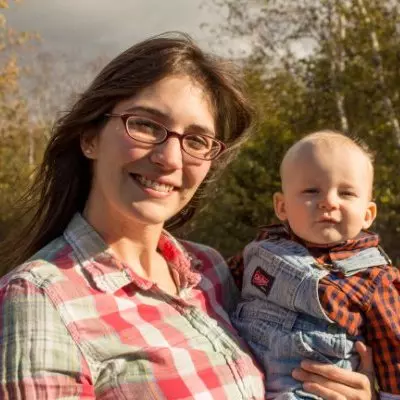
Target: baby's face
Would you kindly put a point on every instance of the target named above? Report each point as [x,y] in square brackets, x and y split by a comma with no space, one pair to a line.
[326,193]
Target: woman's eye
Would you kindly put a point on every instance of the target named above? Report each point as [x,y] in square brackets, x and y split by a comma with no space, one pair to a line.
[143,126]
[144,129]
[197,142]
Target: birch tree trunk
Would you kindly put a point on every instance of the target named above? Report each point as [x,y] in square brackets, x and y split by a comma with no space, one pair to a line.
[380,72]
[338,63]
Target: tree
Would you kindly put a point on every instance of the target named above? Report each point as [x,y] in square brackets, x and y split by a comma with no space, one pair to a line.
[20,139]
[341,83]
[31,98]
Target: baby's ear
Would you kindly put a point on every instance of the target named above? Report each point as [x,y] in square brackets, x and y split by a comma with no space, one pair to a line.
[370,215]
[279,206]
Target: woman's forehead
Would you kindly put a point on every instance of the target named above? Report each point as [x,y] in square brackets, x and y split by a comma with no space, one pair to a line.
[174,98]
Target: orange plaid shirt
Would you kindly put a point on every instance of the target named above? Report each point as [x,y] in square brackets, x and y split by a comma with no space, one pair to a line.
[367,303]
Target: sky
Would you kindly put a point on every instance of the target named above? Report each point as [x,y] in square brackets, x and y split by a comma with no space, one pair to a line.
[78,36]
[90,28]
[75,34]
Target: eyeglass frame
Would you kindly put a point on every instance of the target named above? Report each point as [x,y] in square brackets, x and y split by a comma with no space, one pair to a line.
[168,134]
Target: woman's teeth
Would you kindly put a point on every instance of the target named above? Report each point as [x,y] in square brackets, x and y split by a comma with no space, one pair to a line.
[160,187]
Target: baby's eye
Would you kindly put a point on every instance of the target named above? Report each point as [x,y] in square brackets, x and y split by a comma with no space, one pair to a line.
[310,191]
[348,193]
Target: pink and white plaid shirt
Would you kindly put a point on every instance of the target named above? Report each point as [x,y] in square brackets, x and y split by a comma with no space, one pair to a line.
[78,324]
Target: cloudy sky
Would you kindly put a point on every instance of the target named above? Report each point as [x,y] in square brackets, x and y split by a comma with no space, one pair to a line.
[76,33]
[79,35]
[97,27]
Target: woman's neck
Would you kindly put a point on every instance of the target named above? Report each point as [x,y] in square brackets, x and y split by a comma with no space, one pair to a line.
[131,242]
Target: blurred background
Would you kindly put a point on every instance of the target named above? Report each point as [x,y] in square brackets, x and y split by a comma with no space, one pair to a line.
[308,65]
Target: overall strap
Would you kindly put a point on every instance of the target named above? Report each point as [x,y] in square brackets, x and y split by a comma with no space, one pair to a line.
[367,258]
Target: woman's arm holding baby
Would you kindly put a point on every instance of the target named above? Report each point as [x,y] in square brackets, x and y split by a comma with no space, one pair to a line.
[334,383]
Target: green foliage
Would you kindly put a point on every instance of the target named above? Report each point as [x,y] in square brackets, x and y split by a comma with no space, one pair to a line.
[298,94]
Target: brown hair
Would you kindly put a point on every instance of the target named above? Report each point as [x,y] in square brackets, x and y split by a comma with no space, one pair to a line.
[62,184]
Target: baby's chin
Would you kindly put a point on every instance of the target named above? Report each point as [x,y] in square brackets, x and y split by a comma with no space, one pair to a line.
[328,240]
[325,237]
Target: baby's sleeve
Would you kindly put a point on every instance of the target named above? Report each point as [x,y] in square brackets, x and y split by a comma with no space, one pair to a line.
[383,331]
[236,267]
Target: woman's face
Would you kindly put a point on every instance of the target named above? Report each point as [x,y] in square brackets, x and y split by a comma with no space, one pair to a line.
[142,182]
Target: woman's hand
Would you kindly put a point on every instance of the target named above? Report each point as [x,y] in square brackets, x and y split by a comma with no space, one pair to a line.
[333,383]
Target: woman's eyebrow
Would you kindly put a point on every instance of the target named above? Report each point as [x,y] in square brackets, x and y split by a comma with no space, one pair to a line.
[201,130]
[157,113]
[148,110]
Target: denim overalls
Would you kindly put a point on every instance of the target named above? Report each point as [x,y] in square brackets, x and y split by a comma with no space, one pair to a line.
[280,315]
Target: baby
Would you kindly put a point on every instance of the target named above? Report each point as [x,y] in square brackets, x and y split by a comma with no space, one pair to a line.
[319,282]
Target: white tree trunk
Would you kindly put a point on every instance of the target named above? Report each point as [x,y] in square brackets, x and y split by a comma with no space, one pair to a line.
[379,67]
[338,63]
[31,150]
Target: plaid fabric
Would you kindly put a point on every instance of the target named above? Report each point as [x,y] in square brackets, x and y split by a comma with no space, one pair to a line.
[367,303]
[78,324]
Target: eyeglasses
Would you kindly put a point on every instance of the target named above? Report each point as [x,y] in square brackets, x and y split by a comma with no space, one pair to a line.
[145,130]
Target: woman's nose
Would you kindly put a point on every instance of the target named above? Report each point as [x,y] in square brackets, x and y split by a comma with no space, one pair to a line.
[168,154]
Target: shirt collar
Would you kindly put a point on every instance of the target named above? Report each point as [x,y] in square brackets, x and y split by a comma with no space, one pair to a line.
[337,251]
[109,274]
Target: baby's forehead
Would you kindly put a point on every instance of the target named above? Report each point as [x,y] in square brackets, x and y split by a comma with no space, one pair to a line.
[325,154]
[324,146]
[309,148]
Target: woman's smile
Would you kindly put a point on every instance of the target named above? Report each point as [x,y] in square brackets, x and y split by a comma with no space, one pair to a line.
[153,187]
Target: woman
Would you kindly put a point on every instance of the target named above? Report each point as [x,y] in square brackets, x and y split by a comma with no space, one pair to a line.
[109,304]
